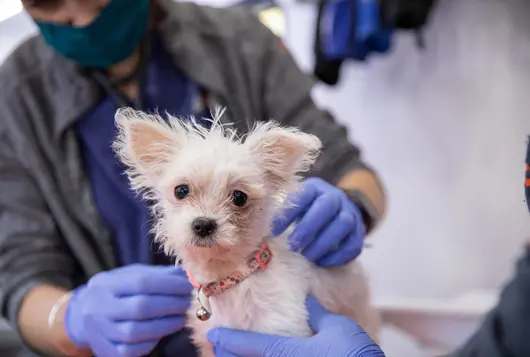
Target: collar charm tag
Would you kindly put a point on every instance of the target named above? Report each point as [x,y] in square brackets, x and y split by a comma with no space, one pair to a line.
[204,311]
[203,314]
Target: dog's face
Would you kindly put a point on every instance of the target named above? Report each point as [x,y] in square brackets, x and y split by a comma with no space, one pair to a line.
[215,194]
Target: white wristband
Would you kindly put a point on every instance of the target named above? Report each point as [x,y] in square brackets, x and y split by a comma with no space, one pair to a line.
[55,308]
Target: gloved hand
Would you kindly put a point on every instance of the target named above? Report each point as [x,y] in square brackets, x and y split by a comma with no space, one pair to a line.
[330,230]
[126,311]
[336,336]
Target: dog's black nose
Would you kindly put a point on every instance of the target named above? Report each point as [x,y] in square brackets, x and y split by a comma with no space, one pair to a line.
[203,226]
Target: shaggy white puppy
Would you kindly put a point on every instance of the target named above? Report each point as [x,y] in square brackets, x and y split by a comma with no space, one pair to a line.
[215,195]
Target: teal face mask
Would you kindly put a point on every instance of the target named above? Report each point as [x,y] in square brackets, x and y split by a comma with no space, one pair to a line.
[109,39]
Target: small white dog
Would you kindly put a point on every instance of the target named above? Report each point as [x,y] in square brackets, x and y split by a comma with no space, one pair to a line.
[215,197]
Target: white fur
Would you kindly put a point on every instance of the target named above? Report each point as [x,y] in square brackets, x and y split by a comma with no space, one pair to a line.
[162,154]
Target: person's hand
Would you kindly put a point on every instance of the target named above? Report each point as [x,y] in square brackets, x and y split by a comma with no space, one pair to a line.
[336,336]
[127,311]
[330,229]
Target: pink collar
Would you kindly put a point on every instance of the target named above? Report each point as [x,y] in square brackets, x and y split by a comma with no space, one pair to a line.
[260,259]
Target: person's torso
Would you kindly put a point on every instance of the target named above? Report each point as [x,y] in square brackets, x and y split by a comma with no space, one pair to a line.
[54,95]
[102,222]
[163,89]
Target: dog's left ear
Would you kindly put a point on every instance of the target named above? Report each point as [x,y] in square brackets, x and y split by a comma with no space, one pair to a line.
[145,143]
[284,152]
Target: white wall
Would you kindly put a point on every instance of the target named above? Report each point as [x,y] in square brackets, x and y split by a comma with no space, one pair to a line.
[12,31]
[447,131]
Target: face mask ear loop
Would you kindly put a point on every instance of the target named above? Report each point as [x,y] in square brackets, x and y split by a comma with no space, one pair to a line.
[110,86]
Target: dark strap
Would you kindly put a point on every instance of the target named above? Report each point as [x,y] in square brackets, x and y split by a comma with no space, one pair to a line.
[408,15]
[111,86]
[326,70]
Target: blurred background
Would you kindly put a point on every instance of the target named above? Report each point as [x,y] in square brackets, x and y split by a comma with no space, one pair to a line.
[446,128]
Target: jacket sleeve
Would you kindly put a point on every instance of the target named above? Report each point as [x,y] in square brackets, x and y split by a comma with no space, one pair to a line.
[505,330]
[287,98]
[31,251]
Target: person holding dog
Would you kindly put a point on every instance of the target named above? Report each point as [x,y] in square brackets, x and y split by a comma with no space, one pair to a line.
[335,335]
[504,329]
[79,272]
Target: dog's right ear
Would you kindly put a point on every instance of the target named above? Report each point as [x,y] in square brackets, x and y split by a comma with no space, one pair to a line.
[146,143]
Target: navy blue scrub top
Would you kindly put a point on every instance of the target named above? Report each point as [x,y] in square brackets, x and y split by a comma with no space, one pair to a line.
[125,214]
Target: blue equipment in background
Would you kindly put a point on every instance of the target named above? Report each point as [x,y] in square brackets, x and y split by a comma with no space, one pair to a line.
[355,30]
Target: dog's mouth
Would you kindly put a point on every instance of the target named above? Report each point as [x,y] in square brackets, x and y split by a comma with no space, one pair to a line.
[204,242]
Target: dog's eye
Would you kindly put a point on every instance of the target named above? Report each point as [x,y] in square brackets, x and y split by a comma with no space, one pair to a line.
[239,198]
[181,191]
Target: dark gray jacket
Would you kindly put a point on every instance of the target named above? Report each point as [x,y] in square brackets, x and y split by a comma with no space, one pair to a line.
[50,230]
[505,331]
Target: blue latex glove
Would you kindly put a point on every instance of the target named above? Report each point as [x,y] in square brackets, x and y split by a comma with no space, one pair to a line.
[336,336]
[330,230]
[127,311]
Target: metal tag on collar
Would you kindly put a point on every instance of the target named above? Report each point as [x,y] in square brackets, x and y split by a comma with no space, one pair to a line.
[204,311]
